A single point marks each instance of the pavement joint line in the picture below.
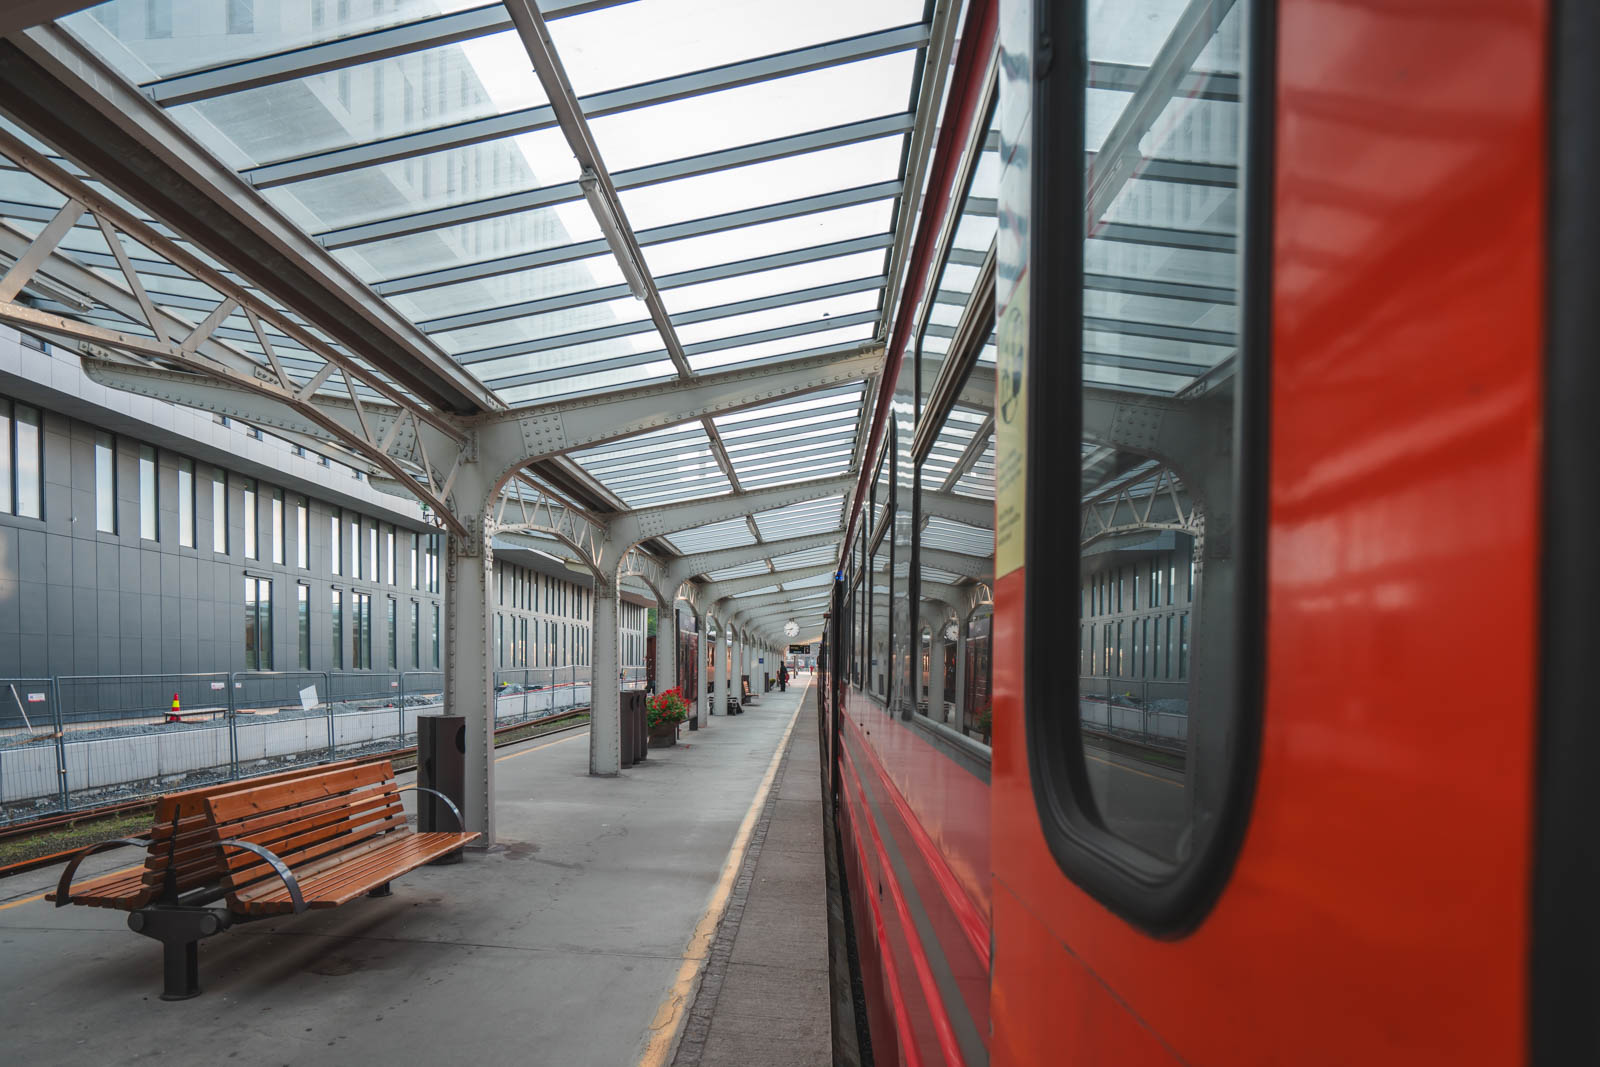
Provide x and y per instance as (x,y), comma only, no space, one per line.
(674,1008)
(536,748)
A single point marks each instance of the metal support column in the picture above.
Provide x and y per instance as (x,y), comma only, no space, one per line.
(666,647)
(468,679)
(720,669)
(605,704)
(959,713)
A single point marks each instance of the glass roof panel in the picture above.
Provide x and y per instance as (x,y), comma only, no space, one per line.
(557,279)
(761,111)
(744,570)
(769,238)
(823,339)
(581,384)
(370,101)
(167,37)
(653,39)
(528,330)
(758,184)
(797,520)
(794,279)
(425,183)
(957,537)
(730,534)
(806,557)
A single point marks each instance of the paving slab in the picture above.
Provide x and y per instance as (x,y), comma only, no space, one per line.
(765,1000)
(557,946)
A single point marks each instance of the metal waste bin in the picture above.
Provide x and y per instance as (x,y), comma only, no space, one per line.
(442,767)
(635,731)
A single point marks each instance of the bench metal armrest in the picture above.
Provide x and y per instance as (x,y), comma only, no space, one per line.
(461,824)
(64,887)
(280,868)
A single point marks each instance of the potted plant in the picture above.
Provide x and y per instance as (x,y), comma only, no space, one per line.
(986,724)
(663,714)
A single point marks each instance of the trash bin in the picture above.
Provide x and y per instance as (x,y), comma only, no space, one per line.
(628,743)
(442,767)
(635,731)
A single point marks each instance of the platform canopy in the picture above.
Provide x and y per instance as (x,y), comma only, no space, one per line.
(472,209)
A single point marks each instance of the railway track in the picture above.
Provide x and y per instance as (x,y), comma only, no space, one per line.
(51,822)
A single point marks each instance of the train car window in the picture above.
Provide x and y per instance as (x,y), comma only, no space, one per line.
(950,537)
(1146,342)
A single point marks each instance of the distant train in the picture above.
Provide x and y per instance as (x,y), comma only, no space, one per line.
(1312,291)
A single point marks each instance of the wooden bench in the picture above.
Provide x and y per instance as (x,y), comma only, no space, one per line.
(277,845)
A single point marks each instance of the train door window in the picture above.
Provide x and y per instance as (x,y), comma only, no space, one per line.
(1154,351)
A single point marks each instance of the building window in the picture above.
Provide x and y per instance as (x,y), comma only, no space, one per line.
(241,16)
(355,546)
(372,552)
(416,578)
(361,606)
(394,636)
(219,513)
(251,549)
(436,637)
(302,534)
(335,545)
(388,556)
(277,526)
(336,626)
(105,483)
(149,528)
(157,19)
(416,635)
(257,624)
(185,502)
(303,621)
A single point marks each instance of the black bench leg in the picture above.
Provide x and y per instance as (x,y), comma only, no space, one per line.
(180,970)
(382,891)
(179,930)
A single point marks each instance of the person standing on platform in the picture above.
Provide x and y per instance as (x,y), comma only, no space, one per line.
(783,677)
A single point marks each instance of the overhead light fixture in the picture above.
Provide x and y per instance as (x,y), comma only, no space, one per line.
(605,214)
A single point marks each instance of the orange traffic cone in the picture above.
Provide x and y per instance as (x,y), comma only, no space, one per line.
(174,716)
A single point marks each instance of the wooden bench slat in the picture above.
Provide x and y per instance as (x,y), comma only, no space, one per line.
(270,821)
(227,807)
(326,842)
(289,837)
(344,882)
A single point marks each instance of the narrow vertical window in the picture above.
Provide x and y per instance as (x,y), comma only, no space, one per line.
(219,513)
(372,552)
(148,526)
(277,526)
(336,627)
(302,535)
(6,469)
(105,483)
(416,635)
(388,556)
(394,636)
(185,502)
(335,541)
(355,546)
(257,624)
(303,622)
(416,578)
(251,549)
(436,637)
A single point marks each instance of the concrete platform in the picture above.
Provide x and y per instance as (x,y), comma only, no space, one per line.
(559,946)
(764,999)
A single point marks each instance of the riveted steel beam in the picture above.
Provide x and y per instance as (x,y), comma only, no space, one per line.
(63,93)
(511,441)
(632,527)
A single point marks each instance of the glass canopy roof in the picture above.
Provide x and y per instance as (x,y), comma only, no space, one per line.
(758,150)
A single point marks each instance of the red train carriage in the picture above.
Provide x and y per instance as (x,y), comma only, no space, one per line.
(1309,286)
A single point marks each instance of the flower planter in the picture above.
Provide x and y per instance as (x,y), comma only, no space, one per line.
(663,734)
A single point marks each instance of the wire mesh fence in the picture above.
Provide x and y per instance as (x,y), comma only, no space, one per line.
(77,742)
